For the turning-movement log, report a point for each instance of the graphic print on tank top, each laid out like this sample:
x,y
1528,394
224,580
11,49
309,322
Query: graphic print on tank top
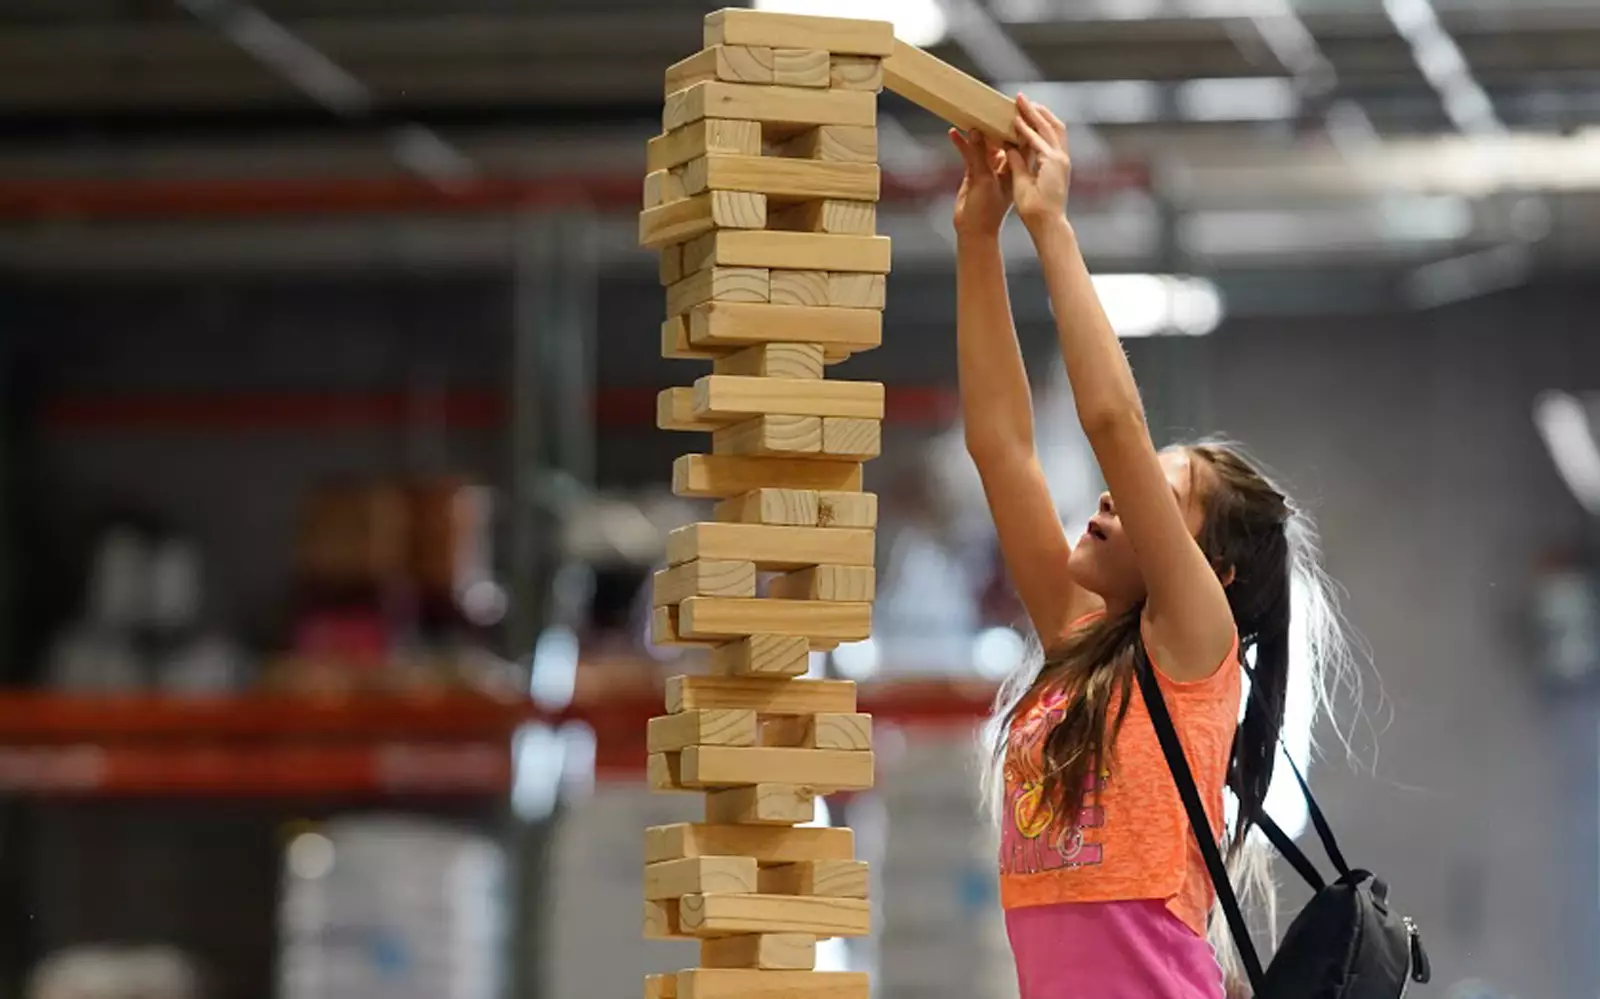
x,y
1032,840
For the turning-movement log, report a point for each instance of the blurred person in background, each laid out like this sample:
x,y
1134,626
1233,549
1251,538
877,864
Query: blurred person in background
x,y
1187,565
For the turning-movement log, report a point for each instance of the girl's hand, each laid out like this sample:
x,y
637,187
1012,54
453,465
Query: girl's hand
x,y
1041,170
985,195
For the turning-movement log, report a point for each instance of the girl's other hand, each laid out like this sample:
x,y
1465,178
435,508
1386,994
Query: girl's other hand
x,y
1040,167
985,195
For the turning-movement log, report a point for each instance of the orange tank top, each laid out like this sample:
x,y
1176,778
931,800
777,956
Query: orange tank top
x,y
1131,839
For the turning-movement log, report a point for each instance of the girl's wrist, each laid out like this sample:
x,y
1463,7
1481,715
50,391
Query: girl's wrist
x,y
1052,233
977,239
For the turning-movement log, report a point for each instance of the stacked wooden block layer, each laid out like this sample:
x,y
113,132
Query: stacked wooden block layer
x,y
762,199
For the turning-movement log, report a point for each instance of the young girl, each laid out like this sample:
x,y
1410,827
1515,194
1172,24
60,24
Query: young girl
x,y
1187,565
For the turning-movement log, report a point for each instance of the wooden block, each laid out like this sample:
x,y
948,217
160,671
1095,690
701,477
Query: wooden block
x,y
675,344
831,215
733,396
732,63
773,360
823,878
767,697
823,582
768,845
747,983
782,178
771,547
857,291
737,26
769,435
737,324
813,251
662,186
663,772
670,266
850,731
685,218
675,411
719,284
847,509
704,578
762,804
661,922
939,87
801,67
709,727
852,438
831,144
713,618
778,105
796,951
822,917
855,72
791,507
705,476
762,656
674,878
661,986
697,139
664,629
799,289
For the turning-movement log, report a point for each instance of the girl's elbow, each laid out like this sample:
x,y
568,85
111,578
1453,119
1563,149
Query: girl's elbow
x,y
1112,420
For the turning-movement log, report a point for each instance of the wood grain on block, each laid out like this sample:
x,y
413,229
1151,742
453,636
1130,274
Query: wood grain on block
x,y
661,186
663,772
675,344
709,135
745,983
733,63
732,396
709,727
831,215
851,438
827,878
669,266
706,476
780,177
797,951
703,578
778,105
770,435
675,411
847,509
661,986
735,324
779,507
718,618
840,731
674,878
762,804
770,548
801,67
855,72
822,582
661,921
767,844
831,144
664,629
857,291
822,917
685,218
816,251
937,86
724,284
762,655
768,697
774,360
736,26
734,766
799,289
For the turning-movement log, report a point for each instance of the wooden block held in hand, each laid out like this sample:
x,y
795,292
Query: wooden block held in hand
x,y
705,476
769,435
939,87
778,507
703,578
799,289
731,63
823,917
734,396
762,656
767,844
851,438
831,144
738,324
826,582
720,284
782,178
770,547
801,67
711,727
768,697
796,951
855,72
737,26
857,291
709,135
774,360
762,804
778,105
675,878
847,509
741,983
825,878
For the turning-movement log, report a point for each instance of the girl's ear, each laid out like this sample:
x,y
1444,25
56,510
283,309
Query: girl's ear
x,y
1226,574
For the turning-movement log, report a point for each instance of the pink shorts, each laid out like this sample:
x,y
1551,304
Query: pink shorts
x,y
1110,950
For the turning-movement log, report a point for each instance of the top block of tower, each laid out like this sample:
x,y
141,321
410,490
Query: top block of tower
x,y
841,35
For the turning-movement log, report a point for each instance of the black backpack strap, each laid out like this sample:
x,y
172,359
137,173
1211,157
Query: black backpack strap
x,y
1172,749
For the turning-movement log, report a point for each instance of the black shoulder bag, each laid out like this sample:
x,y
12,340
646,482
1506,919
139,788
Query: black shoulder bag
x,y
1347,943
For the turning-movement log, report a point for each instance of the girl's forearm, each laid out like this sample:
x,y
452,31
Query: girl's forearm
x,y
996,403
1103,387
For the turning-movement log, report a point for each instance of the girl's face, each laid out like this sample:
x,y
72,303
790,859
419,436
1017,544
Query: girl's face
x,y
1102,560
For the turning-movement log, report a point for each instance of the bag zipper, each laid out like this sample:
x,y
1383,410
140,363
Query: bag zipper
x,y
1421,967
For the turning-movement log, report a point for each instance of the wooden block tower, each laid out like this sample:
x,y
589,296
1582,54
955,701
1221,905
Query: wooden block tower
x,y
762,197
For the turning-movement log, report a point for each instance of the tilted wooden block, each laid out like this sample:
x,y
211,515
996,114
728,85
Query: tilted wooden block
x,y
738,324
661,921
732,395
722,284
762,804
831,144
662,186
736,26
732,63
711,727
767,844
831,215
797,951
718,618
815,251
762,655
774,360
781,177
857,291
801,67
825,878
939,87
856,72
705,476
770,435
851,438
741,983
770,547
675,878
686,218
806,289
822,582
661,986
822,917
777,105
703,578
703,137
768,697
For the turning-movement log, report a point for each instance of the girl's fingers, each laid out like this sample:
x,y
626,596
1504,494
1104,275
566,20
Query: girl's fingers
x,y
1033,138
1035,116
1015,160
1055,123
